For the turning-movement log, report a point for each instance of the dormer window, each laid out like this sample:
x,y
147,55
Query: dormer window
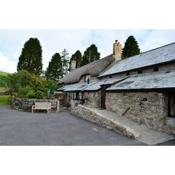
x,y
87,78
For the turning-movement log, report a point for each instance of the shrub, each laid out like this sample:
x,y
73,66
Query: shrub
x,y
27,85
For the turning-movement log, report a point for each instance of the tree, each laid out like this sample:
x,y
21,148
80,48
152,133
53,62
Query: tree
x,y
31,57
131,47
90,54
54,70
65,61
77,56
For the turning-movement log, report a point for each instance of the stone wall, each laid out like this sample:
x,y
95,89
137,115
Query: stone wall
x,y
150,108
26,104
91,115
93,99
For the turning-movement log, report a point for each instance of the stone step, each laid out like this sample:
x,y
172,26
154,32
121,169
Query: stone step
x,y
122,124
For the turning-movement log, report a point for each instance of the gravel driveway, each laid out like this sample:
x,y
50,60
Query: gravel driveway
x,y
24,128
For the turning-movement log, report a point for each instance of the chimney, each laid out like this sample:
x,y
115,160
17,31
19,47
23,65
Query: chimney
x,y
117,50
73,65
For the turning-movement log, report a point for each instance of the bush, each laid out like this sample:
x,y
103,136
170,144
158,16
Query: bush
x,y
26,85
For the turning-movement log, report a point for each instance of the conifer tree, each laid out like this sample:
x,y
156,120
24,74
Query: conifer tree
x,y
65,61
131,47
31,57
91,54
54,70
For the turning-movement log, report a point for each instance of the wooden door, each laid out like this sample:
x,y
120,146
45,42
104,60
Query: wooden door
x,y
103,96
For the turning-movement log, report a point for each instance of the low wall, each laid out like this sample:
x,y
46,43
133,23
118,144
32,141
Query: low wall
x,y
92,116
26,104
150,108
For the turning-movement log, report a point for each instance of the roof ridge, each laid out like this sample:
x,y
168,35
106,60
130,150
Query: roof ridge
x,y
91,63
153,49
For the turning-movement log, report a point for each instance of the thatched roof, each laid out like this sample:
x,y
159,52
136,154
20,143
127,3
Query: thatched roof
x,y
93,69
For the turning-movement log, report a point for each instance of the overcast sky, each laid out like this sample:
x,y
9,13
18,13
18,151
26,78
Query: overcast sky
x,y
52,41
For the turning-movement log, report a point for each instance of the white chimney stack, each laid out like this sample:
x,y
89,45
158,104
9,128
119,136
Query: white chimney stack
x,y
117,50
73,65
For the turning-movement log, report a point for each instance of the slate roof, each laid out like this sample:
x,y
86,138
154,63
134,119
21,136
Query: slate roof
x,y
94,85
153,57
93,69
158,80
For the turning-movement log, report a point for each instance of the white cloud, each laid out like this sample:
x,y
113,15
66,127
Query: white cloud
x,y
157,38
53,41
6,64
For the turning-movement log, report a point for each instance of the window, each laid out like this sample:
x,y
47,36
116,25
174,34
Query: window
x,y
156,69
77,96
171,105
87,78
140,72
127,73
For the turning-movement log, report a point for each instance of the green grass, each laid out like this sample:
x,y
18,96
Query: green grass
x,y
4,99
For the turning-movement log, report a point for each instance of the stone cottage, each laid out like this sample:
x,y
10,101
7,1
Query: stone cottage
x,y
140,88
83,86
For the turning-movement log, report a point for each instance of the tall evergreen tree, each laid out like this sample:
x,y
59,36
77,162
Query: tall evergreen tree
x,y
31,57
54,70
90,54
65,61
77,56
131,47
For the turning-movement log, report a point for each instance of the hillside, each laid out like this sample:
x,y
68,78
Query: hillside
x,y
4,73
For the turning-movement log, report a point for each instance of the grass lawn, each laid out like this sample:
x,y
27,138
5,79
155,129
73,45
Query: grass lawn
x,y
4,99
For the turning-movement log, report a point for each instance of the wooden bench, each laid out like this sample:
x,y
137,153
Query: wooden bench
x,y
42,106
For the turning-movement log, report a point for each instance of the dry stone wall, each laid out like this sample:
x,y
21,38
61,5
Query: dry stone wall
x,y
150,108
26,104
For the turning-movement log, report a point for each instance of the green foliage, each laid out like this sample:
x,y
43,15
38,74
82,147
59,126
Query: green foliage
x,y
91,54
65,61
26,85
26,92
77,56
131,47
4,100
31,57
3,79
55,69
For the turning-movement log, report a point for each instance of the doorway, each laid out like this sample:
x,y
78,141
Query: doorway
x,y
103,96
